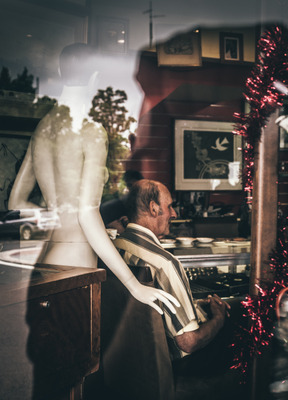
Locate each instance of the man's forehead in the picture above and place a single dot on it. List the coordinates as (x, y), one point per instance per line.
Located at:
(165, 195)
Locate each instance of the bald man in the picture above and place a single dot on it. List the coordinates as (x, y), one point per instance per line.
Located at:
(150, 211)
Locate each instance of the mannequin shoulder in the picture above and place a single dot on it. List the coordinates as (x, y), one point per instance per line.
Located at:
(93, 131)
(57, 119)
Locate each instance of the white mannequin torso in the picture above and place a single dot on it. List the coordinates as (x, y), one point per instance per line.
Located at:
(58, 154)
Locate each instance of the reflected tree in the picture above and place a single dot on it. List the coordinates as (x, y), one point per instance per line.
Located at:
(22, 83)
(108, 108)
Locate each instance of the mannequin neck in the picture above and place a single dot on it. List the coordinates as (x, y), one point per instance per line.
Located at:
(77, 99)
(72, 95)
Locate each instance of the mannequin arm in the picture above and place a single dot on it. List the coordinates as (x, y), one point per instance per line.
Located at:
(96, 234)
(23, 185)
(92, 183)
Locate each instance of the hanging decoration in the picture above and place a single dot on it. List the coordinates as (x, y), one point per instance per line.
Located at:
(260, 310)
(264, 97)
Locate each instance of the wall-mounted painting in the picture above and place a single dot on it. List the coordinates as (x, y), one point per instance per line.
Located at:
(283, 138)
(12, 151)
(231, 47)
(183, 50)
(208, 156)
(112, 35)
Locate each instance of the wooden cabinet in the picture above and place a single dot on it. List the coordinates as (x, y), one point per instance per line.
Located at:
(50, 331)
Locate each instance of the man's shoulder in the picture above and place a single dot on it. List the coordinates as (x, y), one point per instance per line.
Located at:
(135, 232)
(137, 237)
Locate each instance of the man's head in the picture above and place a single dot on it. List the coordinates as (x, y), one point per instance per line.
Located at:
(131, 176)
(149, 204)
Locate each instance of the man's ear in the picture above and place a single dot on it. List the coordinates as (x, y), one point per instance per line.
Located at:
(154, 209)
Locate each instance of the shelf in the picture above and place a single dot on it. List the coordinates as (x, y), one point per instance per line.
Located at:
(212, 260)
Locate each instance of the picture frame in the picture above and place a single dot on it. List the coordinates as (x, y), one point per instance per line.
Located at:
(12, 151)
(208, 156)
(183, 50)
(112, 35)
(283, 138)
(231, 47)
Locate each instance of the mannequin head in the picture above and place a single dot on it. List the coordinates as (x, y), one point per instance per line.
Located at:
(77, 64)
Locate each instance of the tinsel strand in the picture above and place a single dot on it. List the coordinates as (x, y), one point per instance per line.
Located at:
(263, 99)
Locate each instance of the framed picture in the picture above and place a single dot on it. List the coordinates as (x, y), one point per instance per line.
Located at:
(12, 151)
(112, 35)
(183, 50)
(208, 156)
(231, 47)
(283, 138)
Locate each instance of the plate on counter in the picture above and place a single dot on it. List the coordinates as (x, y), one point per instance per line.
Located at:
(186, 241)
(167, 241)
(204, 240)
(239, 239)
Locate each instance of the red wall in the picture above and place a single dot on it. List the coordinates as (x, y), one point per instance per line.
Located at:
(212, 92)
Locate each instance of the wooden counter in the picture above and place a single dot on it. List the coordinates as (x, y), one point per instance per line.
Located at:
(50, 330)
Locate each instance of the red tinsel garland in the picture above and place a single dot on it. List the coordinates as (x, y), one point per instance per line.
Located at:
(264, 99)
(260, 310)
(261, 95)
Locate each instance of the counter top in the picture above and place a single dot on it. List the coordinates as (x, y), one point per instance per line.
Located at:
(217, 253)
(21, 284)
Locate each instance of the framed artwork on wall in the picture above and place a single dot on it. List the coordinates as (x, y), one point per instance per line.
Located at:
(183, 50)
(282, 122)
(208, 156)
(12, 151)
(283, 138)
(231, 47)
(112, 35)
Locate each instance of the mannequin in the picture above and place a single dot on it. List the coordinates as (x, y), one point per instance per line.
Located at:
(67, 157)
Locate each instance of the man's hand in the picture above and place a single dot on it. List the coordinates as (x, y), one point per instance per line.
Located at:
(218, 309)
(199, 338)
(215, 297)
(220, 302)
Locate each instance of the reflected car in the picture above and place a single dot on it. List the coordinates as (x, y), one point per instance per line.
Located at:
(27, 223)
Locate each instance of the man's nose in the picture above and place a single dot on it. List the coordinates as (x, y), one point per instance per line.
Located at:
(173, 214)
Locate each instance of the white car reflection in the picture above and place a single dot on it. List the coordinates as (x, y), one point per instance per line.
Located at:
(27, 223)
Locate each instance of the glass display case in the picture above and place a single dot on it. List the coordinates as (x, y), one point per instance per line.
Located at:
(213, 266)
